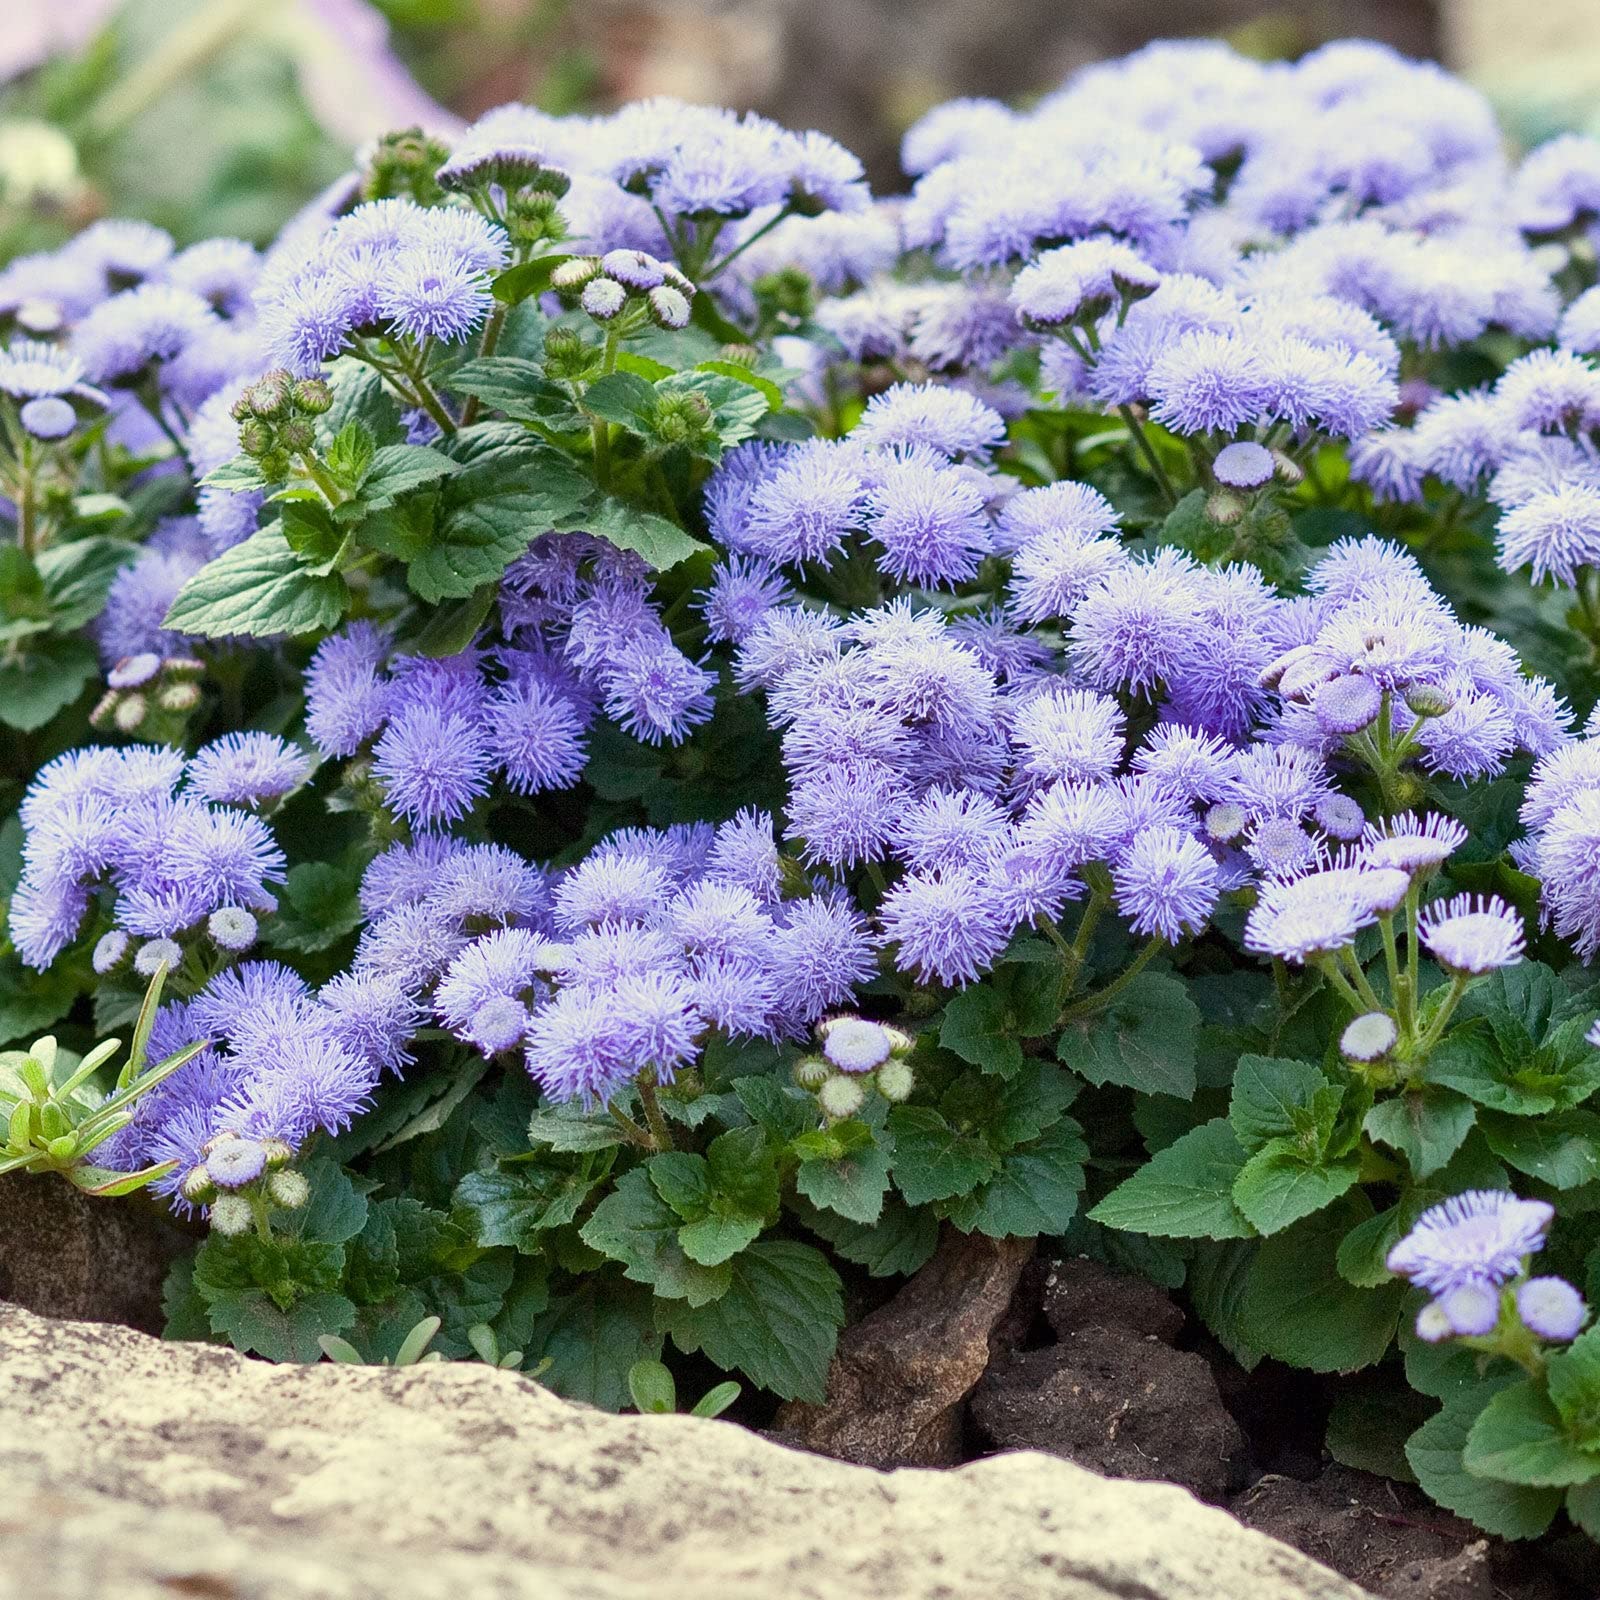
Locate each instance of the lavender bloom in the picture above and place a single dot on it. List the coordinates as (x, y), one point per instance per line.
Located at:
(1080, 280)
(1243, 466)
(1480, 1237)
(245, 769)
(536, 737)
(945, 924)
(1166, 884)
(930, 415)
(853, 1044)
(1552, 1308)
(434, 765)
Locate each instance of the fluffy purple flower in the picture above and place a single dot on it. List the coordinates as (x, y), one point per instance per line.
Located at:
(1480, 1237)
(536, 736)
(945, 923)
(804, 510)
(824, 954)
(1471, 936)
(433, 765)
(745, 853)
(1243, 465)
(1552, 1308)
(1140, 626)
(1071, 734)
(742, 591)
(244, 769)
(1080, 280)
(950, 828)
(126, 333)
(610, 887)
(655, 692)
(1209, 382)
(575, 1048)
(932, 415)
(1166, 884)
(1554, 533)
(346, 692)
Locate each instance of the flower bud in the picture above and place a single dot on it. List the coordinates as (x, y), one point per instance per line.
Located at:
(313, 396)
(572, 277)
(841, 1097)
(269, 396)
(255, 437)
(179, 698)
(130, 713)
(895, 1080)
(1289, 470)
(811, 1072)
(105, 709)
(197, 1187)
(604, 299)
(231, 1215)
(278, 1154)
(297, 434)
(669, 307)
(1428, 700)
(288, 1189)
(901, 1043)
(1224, 508)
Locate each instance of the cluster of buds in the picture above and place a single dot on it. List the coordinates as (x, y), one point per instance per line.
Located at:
(276, 419)
(855, 1055)
(149, 697)
(403, 164)
(624, 288)
(239, 1178)
(231, 930)
(1242, 470)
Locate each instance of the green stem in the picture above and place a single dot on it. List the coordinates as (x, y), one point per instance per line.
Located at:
(756, 237)
(492, 330)
(1329, 968)
(1458, 987)
(423, 390)
(1147, 450)
(660, 1133)
(331, 492)
(1359, 977)
(1101, 998)
(263, 1215)
(631, 1130)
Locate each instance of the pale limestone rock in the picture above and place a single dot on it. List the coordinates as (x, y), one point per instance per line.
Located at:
(147, 1471)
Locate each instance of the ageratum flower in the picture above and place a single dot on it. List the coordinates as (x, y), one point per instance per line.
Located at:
(1481, 1237)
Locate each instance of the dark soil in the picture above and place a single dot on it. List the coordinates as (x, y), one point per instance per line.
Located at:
(1103, 1370)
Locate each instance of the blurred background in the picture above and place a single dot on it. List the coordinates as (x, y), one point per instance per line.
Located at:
(223, 116)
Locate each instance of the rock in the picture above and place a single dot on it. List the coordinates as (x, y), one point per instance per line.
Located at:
(901, 1376)
(65, 1254)
(1081, 1293)
(151, 1471)
(1117, 1401)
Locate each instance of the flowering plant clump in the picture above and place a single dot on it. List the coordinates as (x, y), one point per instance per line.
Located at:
(677, 730)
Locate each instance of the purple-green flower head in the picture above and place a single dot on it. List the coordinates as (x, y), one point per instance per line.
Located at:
(347, 696)
(1225, 821)
(48, 418)
(950, 828)
(1551, 1308)
(373, 1017)
(536, 736)
(1063, 507)
(1055, 570)
(1369, 1037)
(1189, 760)
(434, 766)
(487, 883)
(1564, 857)
(232, 928)
(1347, 704)
(633, 269)
(743, 590)
(604, 299)
(245, 769)
(610, 888)
(1411, 843)
(1243, 465)
(947, 420)
(1471, 1309)
(1309, 386)
(1281, 848)
(1080, 281)
(32, 370)
(1471, 936)
(945, 924)
(109, 951)
(151, 323)
(310, 320)
(1461, 438)
(137, 603)
(1387, 462)
(154, 953)
(823, 175)
(655, 692)
(233, 1162)
(1139, 627)
(1340, 817)
(744, 853)
(1482, 1237)
(1071, 824)
(1472, 738)
(434, 294)
(1166, 884)
(125, 249)
(1548, 391)
(1553, 533)
(845, 815)
(506, 965)
(1209, 382)
(1071, 734)
(505, 160)
(930, 520)
(805, 508)
(853, 1044)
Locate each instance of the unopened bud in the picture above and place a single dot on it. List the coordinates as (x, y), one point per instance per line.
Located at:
(840, 1096)
(255, 437)
(278, 1154)
(1288, 470)
(1224, 508)
(179, 698)
(811, 1072)
(130, 714)
(313, 396)
(288, 1189)
(231, 1215)
(571, 277)
(297, 434)
(197, 1187)
(895, 1080)
(1428, 700)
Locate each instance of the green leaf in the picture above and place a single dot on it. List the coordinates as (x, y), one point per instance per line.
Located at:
(1368, 1428)
(1435, 1451)
(854, 1185)
(525, 280)
(490, 512)
(514, 1205)
(683, 1181)
(1427, 1126)
(47, 677)
(662, 544)
(1519, 1438)
(1218, 1279)
(1583, 1506)
(974, 1028)
(1299, 1309)
(783, 1109)
(1276, 1188)
(731, 369)
(1035, 1192)
(359, 395)
(932, 1160)
(744, 1170)
(1574, 1379)
(1562, 1149)
(569, 1127)
(449, 629)
(320, 906)
(652, 1388)
(259, 587)
(592, 1339)
(623, 398)
(1184, 1191)
(712, 1240)
(634, 1226)
(1272, 1097)
(250, 1321)
(1145, 1039)
(397, 469)
(777, 1323)
(77, 575)
(900, 1241)
(337, 1209)
(519, 389)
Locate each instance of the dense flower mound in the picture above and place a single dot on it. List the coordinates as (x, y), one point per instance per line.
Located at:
(664, 721)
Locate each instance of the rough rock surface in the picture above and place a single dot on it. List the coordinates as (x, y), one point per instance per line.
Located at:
(64, 1254)
(900, 1376)
(149, 1471)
